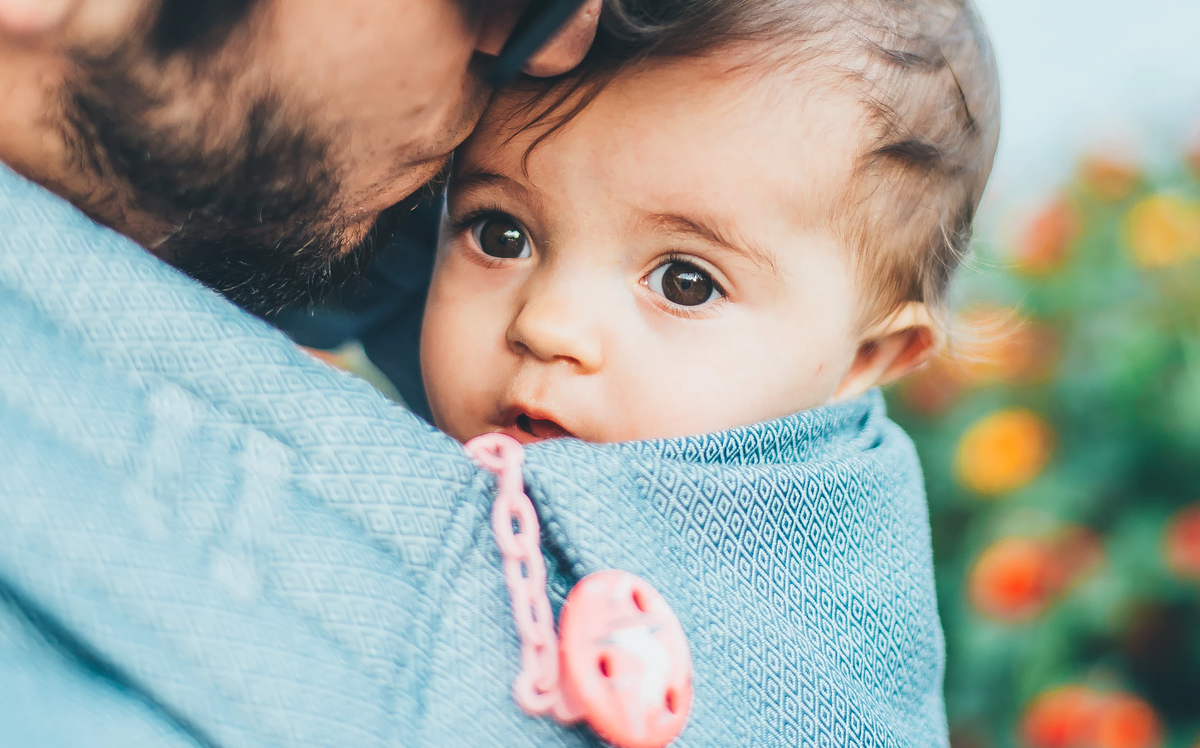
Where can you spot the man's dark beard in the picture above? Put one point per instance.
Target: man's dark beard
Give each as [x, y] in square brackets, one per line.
[254, 217]
[297, 267]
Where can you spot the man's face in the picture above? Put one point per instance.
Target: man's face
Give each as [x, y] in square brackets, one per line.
[269, 156]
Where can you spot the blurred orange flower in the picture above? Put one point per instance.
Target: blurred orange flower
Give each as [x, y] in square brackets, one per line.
[1060, 718]
[1079, 717]
[1017, 578]
[1014, 579]
[1183, 542]
[1001, 346]
[1047, 239]
[1109, 179]
[1004, 451]
[1161, 230]
[1126, 721]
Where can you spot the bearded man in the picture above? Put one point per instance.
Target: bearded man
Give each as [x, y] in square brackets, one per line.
[208, 538]
[264, 148]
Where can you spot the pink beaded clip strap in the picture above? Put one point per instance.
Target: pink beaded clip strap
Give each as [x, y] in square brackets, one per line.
[623, 663]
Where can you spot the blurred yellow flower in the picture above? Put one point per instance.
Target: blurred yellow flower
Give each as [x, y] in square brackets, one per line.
[1162, 229]
[1004, 451]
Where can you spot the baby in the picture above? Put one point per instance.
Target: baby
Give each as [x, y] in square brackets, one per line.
[723, 218]
[723, 230]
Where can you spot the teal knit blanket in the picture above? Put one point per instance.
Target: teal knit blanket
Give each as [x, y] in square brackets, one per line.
[208, 539]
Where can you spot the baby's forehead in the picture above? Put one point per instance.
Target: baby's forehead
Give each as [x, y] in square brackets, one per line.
[744, 166]
[722, 120]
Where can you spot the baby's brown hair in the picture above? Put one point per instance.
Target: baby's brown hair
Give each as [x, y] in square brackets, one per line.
[928, 79]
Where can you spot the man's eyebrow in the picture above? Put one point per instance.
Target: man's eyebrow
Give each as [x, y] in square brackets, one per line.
[712, 232]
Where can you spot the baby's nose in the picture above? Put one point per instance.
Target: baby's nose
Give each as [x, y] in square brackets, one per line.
[555, 324]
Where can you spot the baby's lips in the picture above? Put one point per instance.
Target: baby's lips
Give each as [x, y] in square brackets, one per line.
[521, 436]
[546, 429]
[528, 429]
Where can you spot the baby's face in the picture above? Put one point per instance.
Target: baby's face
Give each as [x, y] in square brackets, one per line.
[664, 266]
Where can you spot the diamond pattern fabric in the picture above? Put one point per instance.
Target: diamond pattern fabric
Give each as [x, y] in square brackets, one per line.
[211, 540]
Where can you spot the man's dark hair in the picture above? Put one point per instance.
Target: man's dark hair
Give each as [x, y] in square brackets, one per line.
[192, 24]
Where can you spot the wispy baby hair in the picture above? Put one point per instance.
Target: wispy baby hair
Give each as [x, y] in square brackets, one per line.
[927, 77]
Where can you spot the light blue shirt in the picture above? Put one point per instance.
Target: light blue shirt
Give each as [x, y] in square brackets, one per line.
[207, 538]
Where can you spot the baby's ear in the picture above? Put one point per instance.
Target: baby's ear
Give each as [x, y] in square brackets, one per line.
[891, 349]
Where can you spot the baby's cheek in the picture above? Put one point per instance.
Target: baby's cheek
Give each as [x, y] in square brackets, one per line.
[452, 358]
[680, 392]
[734, 379]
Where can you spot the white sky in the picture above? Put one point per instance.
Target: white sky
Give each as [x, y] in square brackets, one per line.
[1079, 75]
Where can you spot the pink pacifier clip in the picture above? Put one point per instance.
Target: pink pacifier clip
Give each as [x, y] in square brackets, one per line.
[623, 662]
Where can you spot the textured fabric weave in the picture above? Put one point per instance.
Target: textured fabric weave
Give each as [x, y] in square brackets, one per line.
[207, 538]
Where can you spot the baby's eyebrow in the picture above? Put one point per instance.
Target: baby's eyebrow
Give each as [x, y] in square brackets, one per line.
[479, 178]
[712, 232]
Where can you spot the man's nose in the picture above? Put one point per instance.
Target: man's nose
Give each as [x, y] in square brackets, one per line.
[558, 322]
[561, 52]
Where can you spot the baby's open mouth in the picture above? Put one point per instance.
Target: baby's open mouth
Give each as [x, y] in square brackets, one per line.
[540, 428]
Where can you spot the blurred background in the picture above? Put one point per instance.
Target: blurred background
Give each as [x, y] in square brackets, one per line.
[1061, 434]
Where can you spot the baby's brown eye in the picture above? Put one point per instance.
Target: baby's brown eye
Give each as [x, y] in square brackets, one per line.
[501, 237]
[683, 283]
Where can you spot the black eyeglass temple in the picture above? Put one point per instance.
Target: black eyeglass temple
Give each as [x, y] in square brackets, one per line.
[540, 21]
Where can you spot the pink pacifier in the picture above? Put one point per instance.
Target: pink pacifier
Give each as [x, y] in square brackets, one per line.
[622, 663]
